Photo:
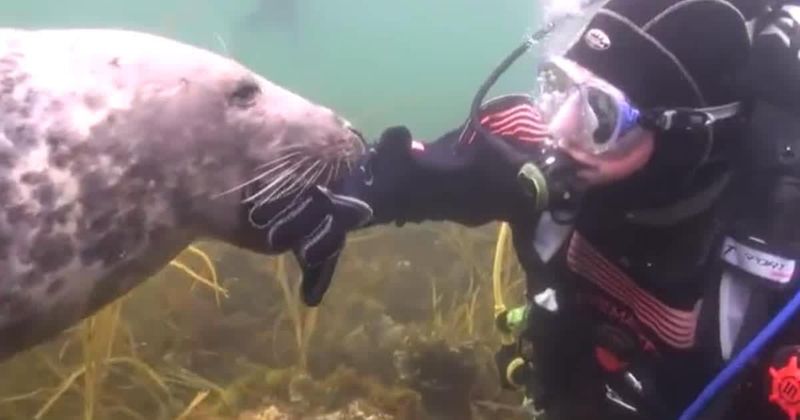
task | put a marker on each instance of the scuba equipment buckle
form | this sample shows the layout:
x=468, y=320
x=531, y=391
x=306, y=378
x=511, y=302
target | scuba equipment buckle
x=638, y=399
x=628, y=377
x=614, y=397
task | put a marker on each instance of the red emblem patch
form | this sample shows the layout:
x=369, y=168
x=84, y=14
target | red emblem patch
x=786, y=387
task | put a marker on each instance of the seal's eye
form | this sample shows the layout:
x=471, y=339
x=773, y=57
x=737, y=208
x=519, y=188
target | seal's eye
x=245, y=93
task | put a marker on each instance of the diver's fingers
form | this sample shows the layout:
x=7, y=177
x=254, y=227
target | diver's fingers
x=397, y=138
x=395, y=148
x=262, y=216
x=297, y=221
x=350, y=213
x=316, y=281
x=318, y=256
x=326, y=240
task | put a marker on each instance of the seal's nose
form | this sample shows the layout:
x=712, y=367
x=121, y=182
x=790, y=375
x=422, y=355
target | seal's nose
x=359, y=135
x=361, y=146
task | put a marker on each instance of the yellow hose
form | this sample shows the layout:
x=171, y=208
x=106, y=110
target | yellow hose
x=497, y=278
x=497, y=270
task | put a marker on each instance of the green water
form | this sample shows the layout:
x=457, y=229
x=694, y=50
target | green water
x=380, y=63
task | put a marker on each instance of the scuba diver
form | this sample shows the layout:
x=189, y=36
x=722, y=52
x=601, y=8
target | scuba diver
x=655, y=263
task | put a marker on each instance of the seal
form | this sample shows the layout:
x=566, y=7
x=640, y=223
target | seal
x=119, y=148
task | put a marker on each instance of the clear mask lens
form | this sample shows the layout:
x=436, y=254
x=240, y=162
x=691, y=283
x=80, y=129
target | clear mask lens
x=584, y=112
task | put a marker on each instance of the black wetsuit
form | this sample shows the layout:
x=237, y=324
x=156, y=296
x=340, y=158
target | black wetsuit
x=657, y=302
x=638, y=325
x=629, y=287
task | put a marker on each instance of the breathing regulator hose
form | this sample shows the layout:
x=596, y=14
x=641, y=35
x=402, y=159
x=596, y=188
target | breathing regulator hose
x=501, y=248
x=529, y=175
x=480, y=96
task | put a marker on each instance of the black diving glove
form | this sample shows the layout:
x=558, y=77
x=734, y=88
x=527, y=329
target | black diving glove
x=460, y=177
x=313, y=226
x=407, y=181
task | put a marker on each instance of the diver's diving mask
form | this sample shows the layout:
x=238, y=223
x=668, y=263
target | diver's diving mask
x=588, y=114
x=590, y=122
x=584, y=112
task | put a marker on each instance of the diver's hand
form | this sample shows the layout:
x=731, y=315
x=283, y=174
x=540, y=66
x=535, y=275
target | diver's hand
x=407, y=181
x=463, y=176
x=313, y=227
x=401, y=181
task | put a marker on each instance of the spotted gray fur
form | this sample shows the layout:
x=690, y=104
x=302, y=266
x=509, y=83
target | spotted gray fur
x=103, y=183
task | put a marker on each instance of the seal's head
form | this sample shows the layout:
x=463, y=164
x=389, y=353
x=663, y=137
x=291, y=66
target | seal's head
x=119, y=148
x=225, y=129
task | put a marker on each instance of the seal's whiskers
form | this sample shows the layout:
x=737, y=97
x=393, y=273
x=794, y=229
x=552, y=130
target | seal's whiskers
x=330, y=173
x=276, y=165
x=285, y=174
x=278, y=187
x=315, y=176
x=294, y=186
x=293, y=151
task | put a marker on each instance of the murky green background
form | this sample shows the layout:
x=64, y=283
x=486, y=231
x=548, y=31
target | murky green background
x=414, y=62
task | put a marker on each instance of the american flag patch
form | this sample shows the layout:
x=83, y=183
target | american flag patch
x=510, y=116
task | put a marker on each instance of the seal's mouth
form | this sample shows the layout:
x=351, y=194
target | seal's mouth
x=359, y=148
x=299, y=168
x=361, y=144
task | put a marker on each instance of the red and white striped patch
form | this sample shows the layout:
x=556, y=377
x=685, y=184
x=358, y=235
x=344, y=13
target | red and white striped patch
x=675, y=327
x=521, y=121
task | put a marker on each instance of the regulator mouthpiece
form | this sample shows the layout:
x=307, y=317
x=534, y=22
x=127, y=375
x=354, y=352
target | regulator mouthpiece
x=534, y=184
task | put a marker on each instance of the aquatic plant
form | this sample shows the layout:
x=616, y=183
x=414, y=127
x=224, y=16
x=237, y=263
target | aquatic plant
x=97, y=337
x=193, y=404
x=304, y=320
x=212, y=283
x=221, y=332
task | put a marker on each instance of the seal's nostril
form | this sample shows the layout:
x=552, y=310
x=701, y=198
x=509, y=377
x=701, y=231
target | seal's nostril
x=359, y=136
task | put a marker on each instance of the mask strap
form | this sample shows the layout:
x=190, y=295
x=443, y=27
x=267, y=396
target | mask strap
x=687, y=118
x=690, y=120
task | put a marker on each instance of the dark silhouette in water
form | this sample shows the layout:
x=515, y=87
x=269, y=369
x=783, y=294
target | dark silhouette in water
x=276, y=15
